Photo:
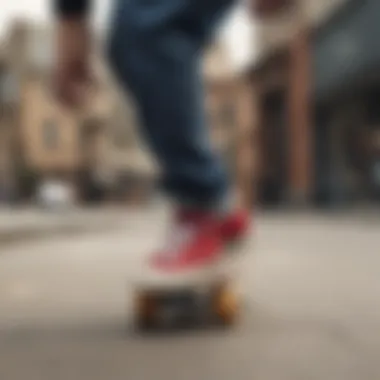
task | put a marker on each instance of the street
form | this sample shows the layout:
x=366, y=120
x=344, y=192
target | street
x=312, y=307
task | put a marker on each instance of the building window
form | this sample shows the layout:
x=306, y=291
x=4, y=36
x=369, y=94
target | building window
x=50, y=134
x=90, y=131
x=227, y=115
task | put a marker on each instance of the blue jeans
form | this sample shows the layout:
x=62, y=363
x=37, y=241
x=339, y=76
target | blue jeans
x=155, y=50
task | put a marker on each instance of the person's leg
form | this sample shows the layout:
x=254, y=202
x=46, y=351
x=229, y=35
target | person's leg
x=155, y=49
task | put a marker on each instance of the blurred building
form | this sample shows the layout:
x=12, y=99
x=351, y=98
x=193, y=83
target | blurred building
x=93, y=151
x=313, y=89
x=230, y=111
x=346, y=88
x=99, y=151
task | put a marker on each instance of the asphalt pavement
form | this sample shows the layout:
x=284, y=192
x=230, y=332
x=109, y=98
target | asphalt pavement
x=312, y=307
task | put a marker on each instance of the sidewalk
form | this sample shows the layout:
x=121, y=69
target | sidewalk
x=32, y=223
x=311, y=306
x=22, y=224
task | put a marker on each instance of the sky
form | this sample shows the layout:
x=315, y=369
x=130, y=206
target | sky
x=237, y=32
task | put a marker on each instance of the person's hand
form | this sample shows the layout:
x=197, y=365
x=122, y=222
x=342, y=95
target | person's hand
x=71, y=74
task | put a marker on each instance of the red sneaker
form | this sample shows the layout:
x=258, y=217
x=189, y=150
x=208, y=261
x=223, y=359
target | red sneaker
x=198, y=248
x=193, y=243
x=235, y=226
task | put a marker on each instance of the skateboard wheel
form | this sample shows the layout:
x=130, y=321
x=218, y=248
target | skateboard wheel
x=146, y=310
x=225, y=305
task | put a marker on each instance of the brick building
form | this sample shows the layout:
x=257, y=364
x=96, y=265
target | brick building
x=284, y=83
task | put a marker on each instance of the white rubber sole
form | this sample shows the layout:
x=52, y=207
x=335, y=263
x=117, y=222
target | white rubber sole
x=221, y=271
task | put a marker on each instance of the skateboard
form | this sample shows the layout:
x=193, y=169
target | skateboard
x=210, y=297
